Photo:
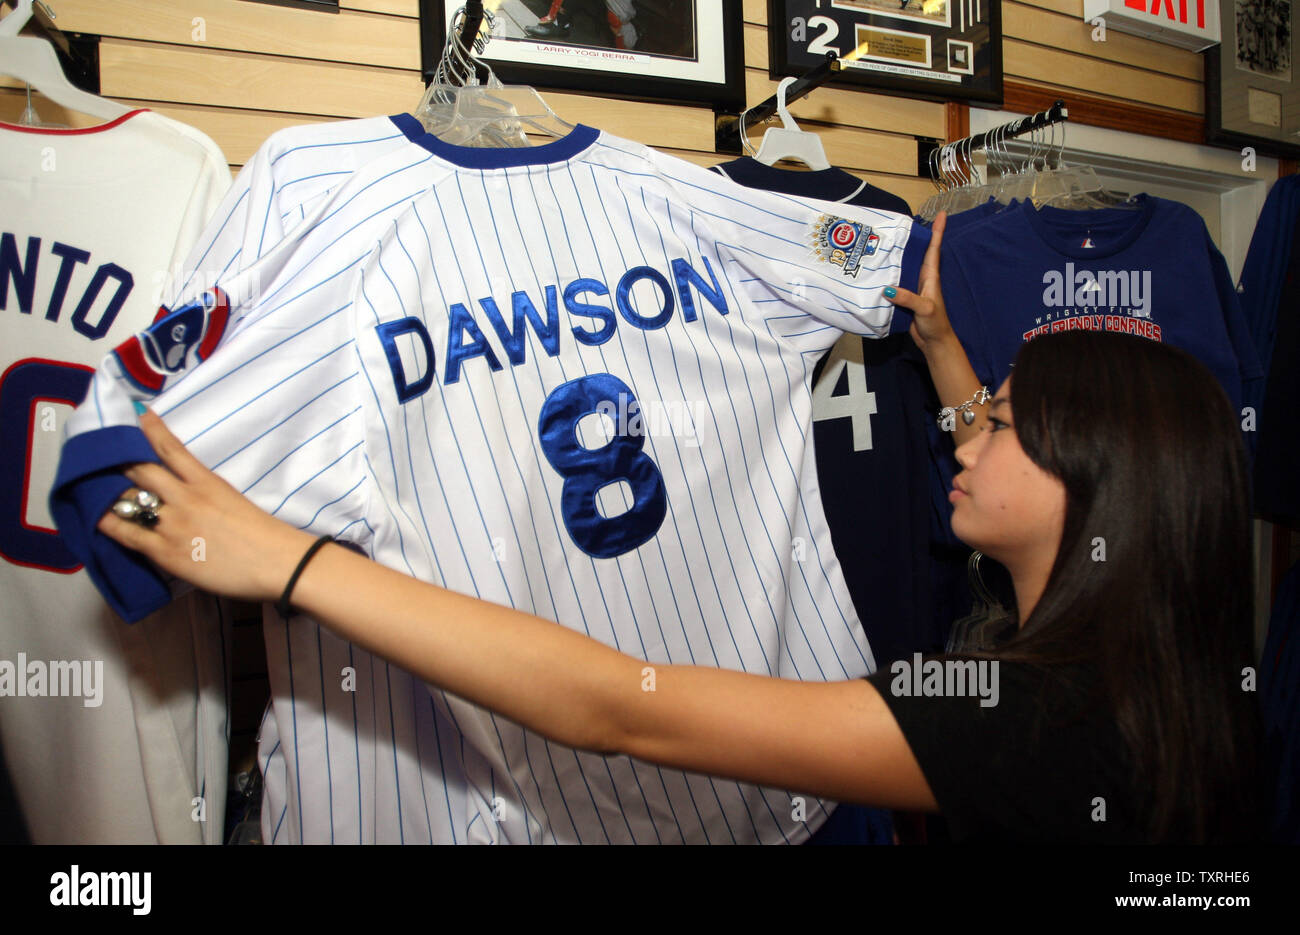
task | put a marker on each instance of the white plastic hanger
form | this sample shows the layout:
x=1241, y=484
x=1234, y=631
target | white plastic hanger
x=788, y=141
x=34, y=62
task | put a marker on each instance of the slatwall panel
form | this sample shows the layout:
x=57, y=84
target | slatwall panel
x=239, y=71
x=1047, y=43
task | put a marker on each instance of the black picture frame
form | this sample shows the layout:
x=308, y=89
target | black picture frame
x=966, y=40
x=1234, y=74
x=576, y=66
x=321, y=6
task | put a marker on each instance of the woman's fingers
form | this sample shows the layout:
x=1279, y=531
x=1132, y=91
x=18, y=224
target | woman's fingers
x=124, y=532
x=157, y=479
x=929, y=273
x=910, y=300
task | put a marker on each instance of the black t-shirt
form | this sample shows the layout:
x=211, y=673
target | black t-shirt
x=1041, y=765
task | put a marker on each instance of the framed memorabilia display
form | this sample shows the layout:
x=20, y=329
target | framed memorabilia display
x=325, y=6
x=688, y=51
x=938, y=49
x=1252, y=85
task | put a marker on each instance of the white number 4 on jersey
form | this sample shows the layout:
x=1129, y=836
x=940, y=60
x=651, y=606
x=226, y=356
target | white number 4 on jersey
x=857, y=403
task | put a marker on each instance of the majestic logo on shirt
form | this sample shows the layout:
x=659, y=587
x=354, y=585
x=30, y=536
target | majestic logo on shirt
x=162, y=350
x=843, y=242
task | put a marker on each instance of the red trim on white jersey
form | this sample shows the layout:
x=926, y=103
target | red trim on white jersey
x=74, y=131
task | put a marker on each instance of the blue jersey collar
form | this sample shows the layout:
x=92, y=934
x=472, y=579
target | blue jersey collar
x=472, y=157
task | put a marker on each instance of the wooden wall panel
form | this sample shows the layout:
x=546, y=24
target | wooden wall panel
x=258, y=68
x=355, y=37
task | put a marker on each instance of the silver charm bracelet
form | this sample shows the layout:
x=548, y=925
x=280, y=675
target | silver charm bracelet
x=967, y=415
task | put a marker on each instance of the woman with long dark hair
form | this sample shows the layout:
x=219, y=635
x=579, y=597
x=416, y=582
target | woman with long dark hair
x=1106, y=477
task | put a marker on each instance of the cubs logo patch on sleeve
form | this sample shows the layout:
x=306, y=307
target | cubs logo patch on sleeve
x=162, y=350
x=843, y=242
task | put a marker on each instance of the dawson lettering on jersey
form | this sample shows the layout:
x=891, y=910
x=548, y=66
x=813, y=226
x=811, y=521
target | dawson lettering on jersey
x=466, y=339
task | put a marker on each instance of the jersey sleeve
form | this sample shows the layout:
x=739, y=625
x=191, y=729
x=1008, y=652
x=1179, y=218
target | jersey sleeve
x=828, y=261
x=274, y=409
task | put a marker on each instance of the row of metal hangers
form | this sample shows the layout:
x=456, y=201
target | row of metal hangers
x=1037, y=174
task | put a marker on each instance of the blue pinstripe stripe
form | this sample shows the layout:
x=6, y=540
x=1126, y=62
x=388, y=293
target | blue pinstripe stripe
x=794, y=474
x=303, y=444
x=202, y=258
x=324, y=506
x=658, y=542
x=627, y=504
x=419, y=762
x=604, y=274
x=487, y=535
x=293, y=711
x=536, y=457
x=722, y=811
x=392, y=463
x=600, y=200
x=663, y=247
x=392, y=733
x=325, y=726
x=415, y=484
x=333, y=143
x=356, y=736
x=289, y=495
x=166, y=409
x=748, y=202
x=820, y=562
x=446, y=792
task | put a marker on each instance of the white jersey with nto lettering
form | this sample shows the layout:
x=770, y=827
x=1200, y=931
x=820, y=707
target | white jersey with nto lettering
x=90, y=221
x=443, y=396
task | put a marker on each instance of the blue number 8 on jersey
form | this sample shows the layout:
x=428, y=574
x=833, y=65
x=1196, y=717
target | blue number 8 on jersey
x=586, y=471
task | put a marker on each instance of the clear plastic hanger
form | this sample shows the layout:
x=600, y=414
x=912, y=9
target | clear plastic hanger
x=988, y=624
x=787, y=141
x=33, y=61
x=940, y=160
x=467, y=105
x=1083, y=189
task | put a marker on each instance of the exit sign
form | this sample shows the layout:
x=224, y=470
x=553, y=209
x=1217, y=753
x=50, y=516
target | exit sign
x=1189, y=24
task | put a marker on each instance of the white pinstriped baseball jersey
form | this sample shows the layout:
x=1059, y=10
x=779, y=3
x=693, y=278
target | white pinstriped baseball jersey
x=442, y=395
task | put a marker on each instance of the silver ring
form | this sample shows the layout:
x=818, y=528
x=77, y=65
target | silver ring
x=141, y=509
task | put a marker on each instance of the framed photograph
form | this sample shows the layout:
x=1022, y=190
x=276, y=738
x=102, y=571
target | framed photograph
x=685, y=51
x=1252, y=97
x=935, y=49
x=324, y=6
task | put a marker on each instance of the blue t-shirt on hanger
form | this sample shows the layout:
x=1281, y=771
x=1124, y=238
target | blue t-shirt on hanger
x=1149, y=268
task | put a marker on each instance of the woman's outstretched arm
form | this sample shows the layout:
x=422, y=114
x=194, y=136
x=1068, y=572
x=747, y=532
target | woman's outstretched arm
x=835, y=739
x=950, y=369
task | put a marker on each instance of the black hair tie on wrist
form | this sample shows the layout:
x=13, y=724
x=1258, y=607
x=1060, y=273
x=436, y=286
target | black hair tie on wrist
x=282, y=606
